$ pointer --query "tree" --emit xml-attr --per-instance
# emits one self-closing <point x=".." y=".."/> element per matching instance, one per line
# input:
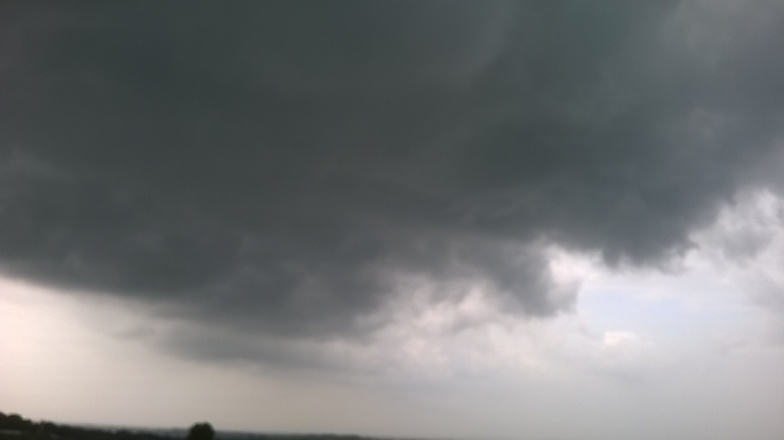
<point x="201" y="431"/>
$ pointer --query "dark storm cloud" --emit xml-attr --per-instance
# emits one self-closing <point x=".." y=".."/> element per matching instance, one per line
<point x="283" y="165"/>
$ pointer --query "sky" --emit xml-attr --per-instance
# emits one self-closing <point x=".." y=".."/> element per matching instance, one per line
<point x="457" y="219"/>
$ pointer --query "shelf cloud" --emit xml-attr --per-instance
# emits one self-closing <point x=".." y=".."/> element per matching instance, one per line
<point x="292" y="168"/>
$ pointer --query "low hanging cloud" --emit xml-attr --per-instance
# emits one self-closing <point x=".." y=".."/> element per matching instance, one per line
<point x="286" y="167"/>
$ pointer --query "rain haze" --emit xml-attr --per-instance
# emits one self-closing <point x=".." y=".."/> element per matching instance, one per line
<point x="458" y="219"/>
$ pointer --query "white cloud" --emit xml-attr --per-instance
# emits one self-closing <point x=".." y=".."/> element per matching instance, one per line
<point x="620" y="339"/>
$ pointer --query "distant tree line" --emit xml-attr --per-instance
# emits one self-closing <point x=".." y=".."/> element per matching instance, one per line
<point x="25" y="429"/>
<point x="44" y="430"/>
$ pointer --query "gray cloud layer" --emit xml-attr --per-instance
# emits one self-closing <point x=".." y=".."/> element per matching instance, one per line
<point x="286" y="164"/>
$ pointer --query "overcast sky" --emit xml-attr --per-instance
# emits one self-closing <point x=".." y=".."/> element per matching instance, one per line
<point x="470" y="219"/>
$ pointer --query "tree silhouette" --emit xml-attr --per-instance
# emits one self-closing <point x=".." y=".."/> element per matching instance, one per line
<point x="201" y="431"/>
